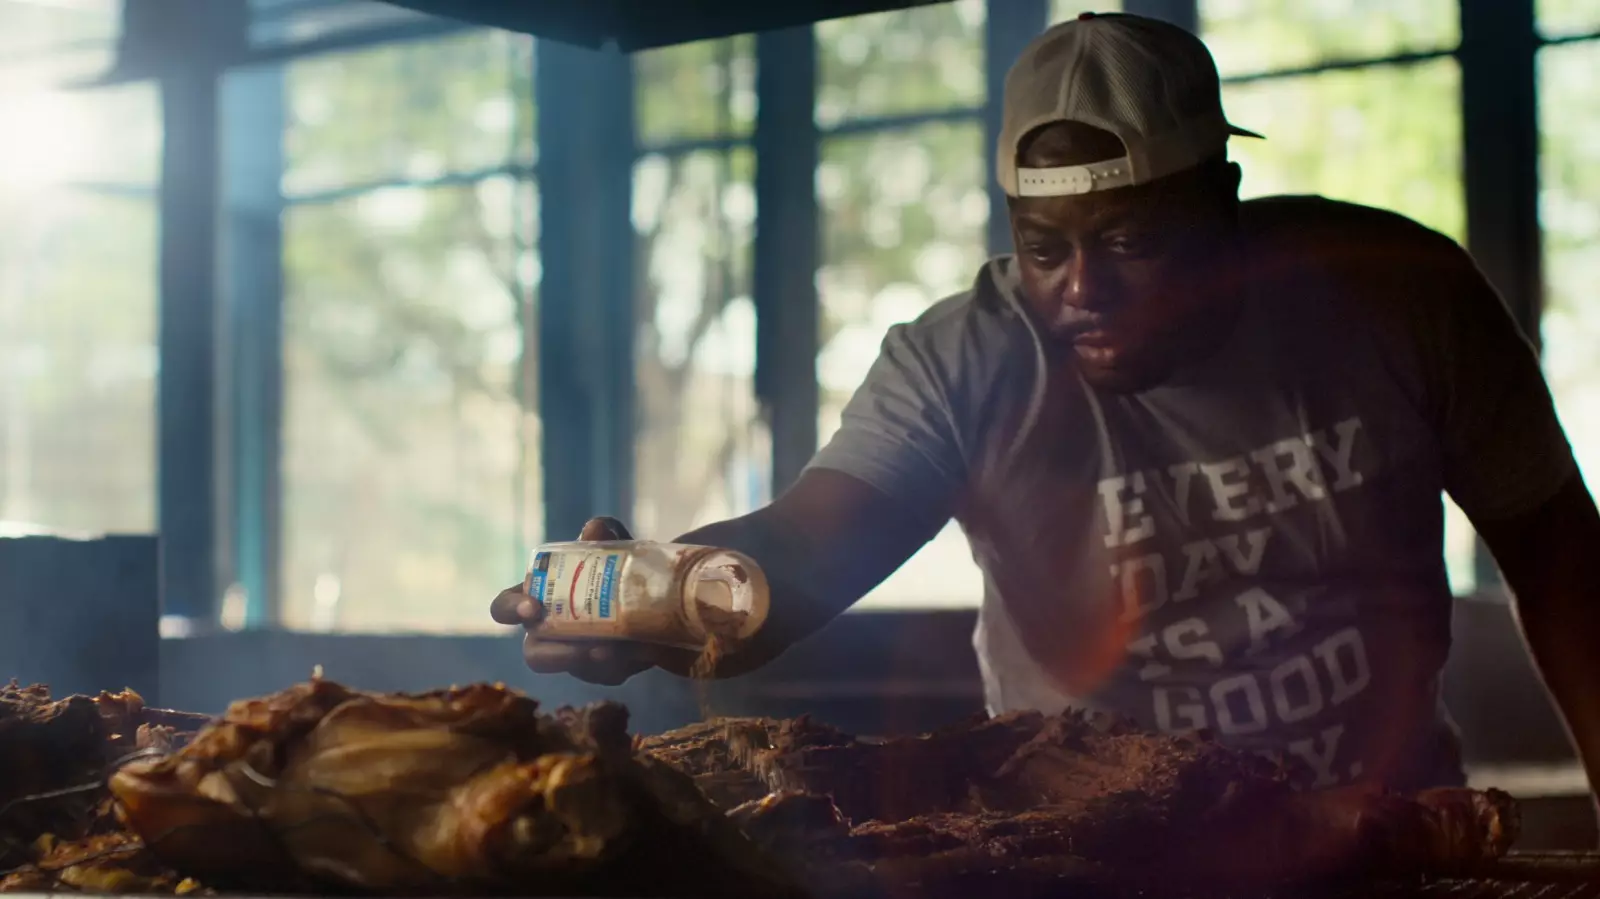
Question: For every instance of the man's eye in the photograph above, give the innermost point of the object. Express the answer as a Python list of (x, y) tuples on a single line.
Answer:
[(1045, 254), (1129, 245)]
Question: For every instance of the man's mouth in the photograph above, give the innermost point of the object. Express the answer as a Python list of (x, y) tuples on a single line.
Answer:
[(1097, 347), (1093, 338)]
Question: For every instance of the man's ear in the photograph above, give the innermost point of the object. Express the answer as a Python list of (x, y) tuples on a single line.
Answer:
[(1234, 177), (1227, 183)]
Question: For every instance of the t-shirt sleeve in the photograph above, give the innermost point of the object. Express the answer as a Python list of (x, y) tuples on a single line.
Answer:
[(898, 433), (1503, 449)]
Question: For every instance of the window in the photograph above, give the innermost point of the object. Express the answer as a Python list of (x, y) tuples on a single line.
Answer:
[(1248, 37), (703, 453), (905, 62), (1383, 134), (408, 112), (902, 186), (694, 92), (57, 43), (78, 174), (1567, 18), (1569, 210), (1062, 10), (411, 472)]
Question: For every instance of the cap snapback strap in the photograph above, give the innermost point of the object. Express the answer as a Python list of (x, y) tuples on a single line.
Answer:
[(1071, 180)]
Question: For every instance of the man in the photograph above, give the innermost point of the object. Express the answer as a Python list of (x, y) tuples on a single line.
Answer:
[(1197, 444)]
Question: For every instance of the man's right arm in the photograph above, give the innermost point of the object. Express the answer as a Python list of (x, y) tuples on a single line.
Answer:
[(885, 484)]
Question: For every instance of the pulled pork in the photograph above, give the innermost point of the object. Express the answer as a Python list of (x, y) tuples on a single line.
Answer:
[(1069, 793)]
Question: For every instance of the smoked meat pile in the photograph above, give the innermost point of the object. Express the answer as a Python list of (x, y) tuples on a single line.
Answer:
[(321, 789), (58, 825), (1067, 796)]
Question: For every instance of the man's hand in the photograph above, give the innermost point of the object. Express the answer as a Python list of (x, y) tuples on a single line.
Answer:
[(606, 662)]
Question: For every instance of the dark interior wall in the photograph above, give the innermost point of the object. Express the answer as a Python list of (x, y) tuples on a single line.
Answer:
[(869, 673), (80, 615)]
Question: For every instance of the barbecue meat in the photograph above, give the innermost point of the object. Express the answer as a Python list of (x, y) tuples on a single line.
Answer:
[(56, 754), (466, 790), (324, 789), (1063, 796), (113, 862), (736, 760)]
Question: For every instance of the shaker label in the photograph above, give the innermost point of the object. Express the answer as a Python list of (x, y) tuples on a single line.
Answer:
[(576, 586)]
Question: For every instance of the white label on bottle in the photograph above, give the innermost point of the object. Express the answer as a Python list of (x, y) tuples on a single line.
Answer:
[(576, 586)]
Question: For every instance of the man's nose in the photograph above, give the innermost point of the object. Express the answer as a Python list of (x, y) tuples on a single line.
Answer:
[(1087, 285)]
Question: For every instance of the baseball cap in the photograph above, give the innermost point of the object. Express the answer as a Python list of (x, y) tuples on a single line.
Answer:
[(1152, 84)]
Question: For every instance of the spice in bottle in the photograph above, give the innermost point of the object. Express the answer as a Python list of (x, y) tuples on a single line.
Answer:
[(693, 597)]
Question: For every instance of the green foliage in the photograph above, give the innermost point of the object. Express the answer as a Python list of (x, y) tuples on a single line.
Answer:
[(1251, 36), (1558, 18), (78, 362), (77, 292), (904, 218), (411, 470), (906, 61), (706, 89), (1061, 10), (1569, 85), (51, 43), (904, 210), (699, 436), (1386, 136), (700, 441), (412, 110), (404, 431)]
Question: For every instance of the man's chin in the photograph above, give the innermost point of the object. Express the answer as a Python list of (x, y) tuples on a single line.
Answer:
[(1114, 372)]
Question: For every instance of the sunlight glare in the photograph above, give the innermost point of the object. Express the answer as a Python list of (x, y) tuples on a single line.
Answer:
[(46, 140)]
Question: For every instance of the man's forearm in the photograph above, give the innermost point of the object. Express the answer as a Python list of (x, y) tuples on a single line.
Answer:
[(1562, 626), (1546, 558)]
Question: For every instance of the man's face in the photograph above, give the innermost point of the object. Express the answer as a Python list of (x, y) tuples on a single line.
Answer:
[(1128, 277)]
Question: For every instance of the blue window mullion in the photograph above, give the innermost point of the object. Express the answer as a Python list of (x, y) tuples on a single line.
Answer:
[(253, 205), (1500, 166), (787, 247), (585, 316)]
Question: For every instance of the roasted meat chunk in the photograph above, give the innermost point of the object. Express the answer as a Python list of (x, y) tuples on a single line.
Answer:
[(1032, 792), (56, 754), (468, 790), (738, 760), (112, 862)]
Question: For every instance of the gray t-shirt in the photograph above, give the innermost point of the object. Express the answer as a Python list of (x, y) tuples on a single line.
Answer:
[(1255, 546)]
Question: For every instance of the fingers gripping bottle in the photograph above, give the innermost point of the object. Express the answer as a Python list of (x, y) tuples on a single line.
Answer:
[(671, 594)]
